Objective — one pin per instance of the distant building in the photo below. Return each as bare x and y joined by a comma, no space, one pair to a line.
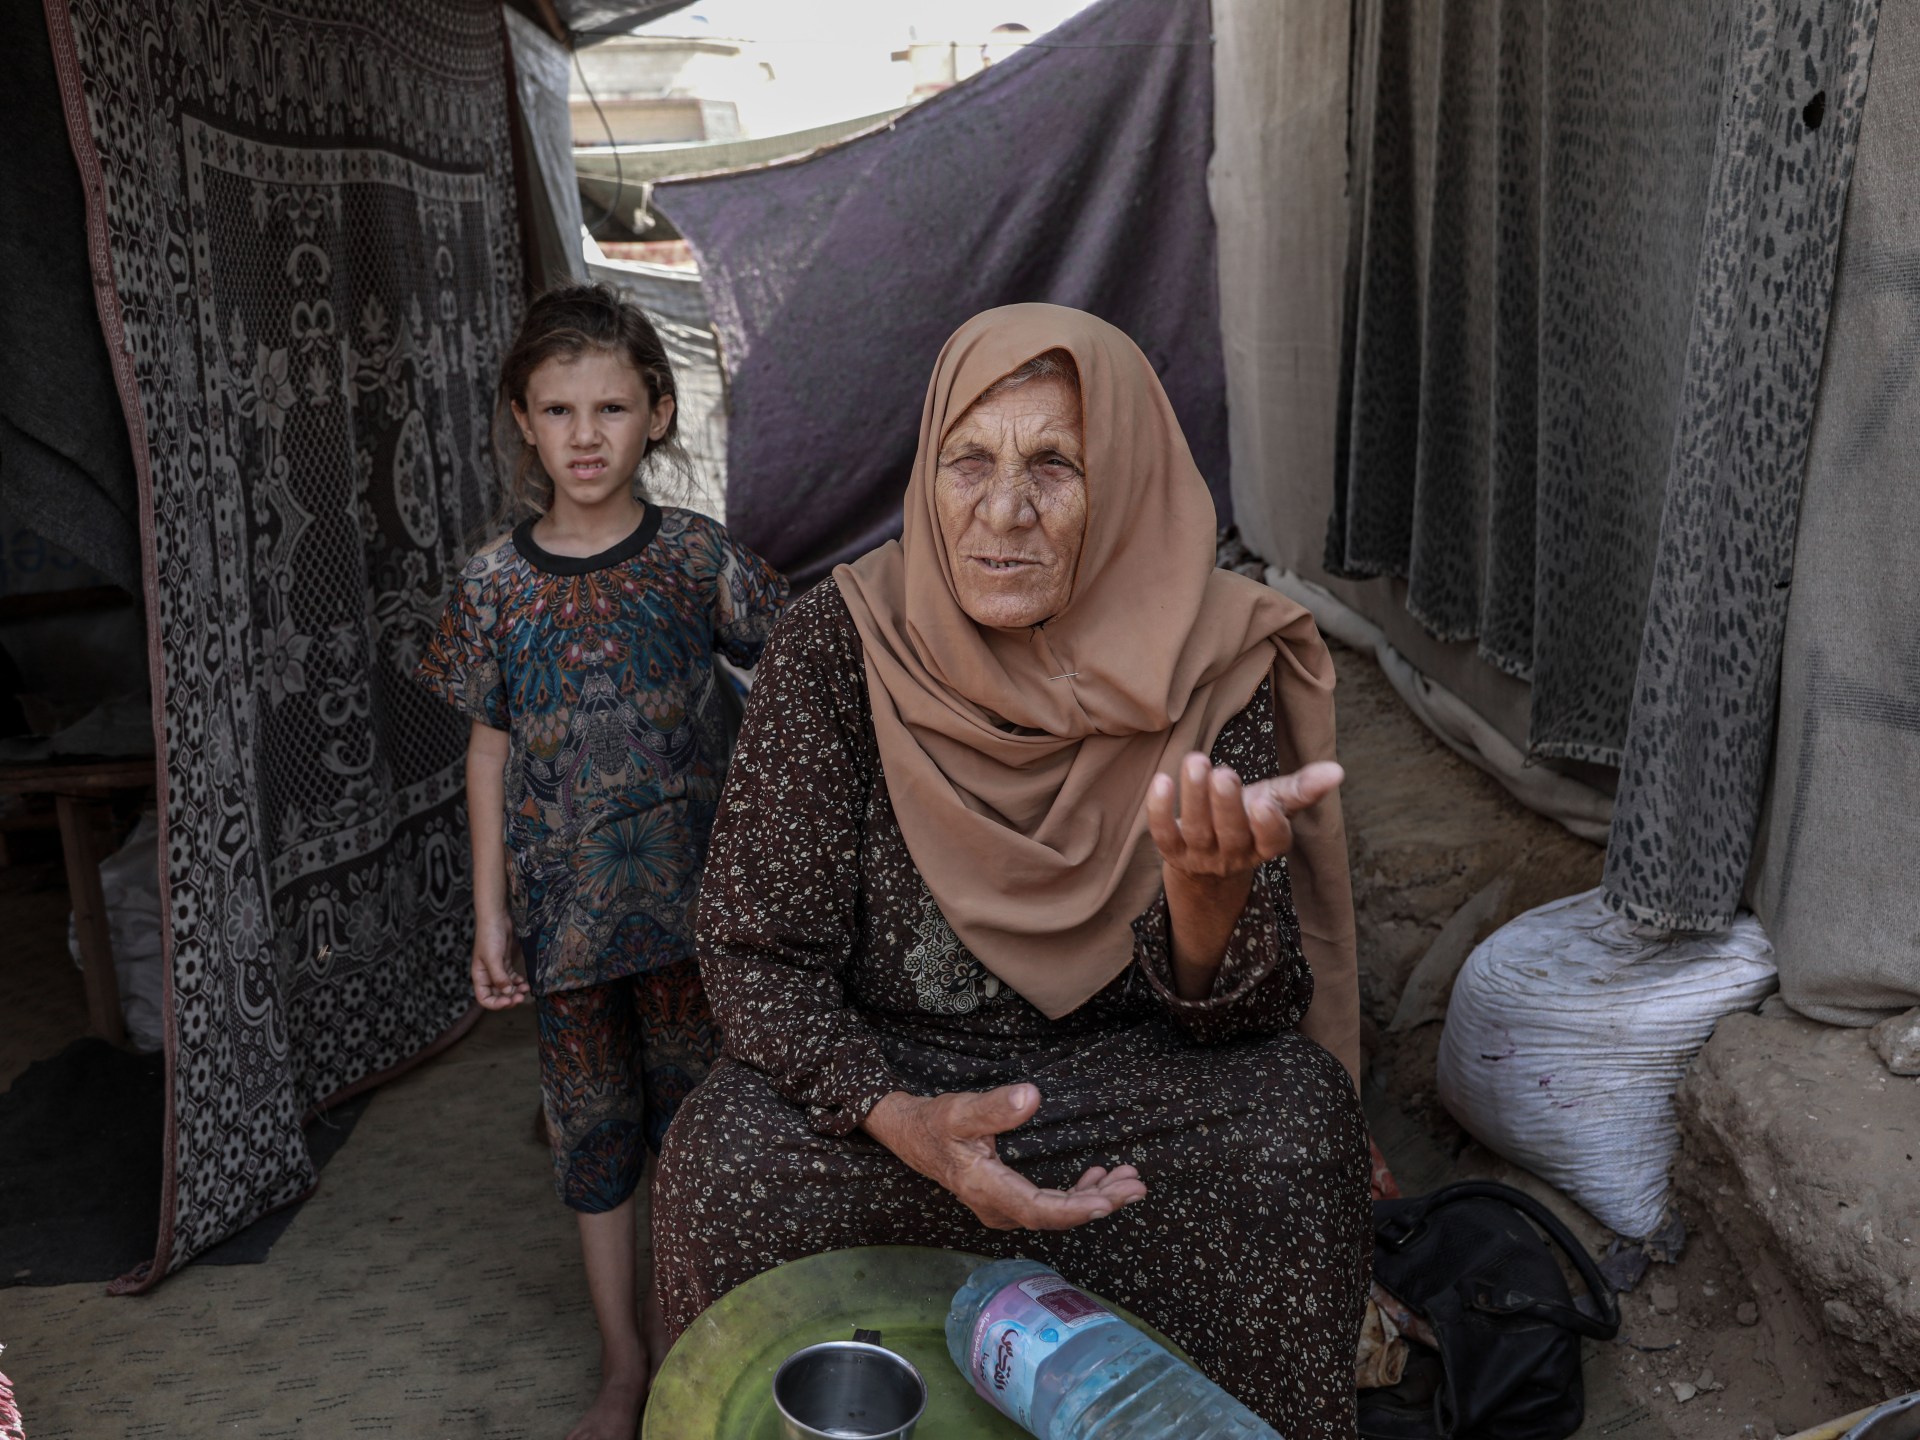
662,90
938,64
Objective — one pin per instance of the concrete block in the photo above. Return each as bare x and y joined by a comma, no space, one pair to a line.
1823,1145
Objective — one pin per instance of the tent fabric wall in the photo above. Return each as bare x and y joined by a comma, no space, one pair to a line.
1589,266
1520,277
1072,172
1834,882
1278,185
306,210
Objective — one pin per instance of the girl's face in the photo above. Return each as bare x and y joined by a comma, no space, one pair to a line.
590,418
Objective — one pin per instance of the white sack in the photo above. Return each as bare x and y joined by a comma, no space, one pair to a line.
1568,1032
130,882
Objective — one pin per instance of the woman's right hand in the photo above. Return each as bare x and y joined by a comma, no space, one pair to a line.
950,1140
495,985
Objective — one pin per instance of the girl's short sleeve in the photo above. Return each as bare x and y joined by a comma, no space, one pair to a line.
748,596
461,665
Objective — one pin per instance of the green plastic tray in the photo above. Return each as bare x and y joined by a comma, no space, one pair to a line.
718,1382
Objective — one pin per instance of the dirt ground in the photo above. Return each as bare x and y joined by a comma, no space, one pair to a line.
1722,1327
1429,832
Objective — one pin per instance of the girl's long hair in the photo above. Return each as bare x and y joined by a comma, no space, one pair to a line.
564,324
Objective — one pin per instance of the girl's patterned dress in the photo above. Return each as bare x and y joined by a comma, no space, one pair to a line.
601,669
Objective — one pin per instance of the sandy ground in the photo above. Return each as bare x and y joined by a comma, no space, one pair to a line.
431,1287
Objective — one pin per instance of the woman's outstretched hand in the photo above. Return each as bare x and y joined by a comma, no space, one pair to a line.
1226,829
950,1139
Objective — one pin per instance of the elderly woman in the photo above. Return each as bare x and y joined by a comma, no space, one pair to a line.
1025,875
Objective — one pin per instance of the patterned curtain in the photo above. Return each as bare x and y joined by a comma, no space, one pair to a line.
1590,260
306,210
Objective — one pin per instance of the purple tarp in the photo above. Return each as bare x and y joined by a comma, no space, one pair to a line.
1074,172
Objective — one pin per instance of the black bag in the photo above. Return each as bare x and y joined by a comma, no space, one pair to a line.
1465,1259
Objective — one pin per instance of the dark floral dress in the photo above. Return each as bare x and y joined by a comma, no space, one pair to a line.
835,980
601,670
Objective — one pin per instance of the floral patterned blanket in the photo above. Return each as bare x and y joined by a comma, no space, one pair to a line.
306,209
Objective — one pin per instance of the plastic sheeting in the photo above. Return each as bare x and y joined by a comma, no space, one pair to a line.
1073,172
130,884
677,305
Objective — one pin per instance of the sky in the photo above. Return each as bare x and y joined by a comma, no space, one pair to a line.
831,23
831,59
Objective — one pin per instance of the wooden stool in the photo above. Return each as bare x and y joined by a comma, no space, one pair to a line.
80,791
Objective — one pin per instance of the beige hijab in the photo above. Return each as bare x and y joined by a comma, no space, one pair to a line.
1033,838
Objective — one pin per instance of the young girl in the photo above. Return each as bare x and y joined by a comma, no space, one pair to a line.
582,645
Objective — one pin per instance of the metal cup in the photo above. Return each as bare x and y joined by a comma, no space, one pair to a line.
848,1390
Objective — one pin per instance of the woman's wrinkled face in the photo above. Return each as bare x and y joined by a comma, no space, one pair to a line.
1011,496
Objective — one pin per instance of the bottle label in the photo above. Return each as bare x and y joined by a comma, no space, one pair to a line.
1018,1329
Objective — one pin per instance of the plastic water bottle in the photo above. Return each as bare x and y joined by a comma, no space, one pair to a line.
1050,1356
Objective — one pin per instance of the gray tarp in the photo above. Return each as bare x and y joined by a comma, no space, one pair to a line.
1835,880
66,469
541,72
1073,172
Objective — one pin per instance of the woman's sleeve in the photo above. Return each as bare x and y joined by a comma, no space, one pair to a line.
778,906
460,665
748,596
1265,984
1317,866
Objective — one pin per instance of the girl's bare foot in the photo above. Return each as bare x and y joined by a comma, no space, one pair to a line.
607,1244
615,1414
653,1328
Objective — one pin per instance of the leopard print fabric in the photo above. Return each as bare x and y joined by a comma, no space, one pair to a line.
1591,263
